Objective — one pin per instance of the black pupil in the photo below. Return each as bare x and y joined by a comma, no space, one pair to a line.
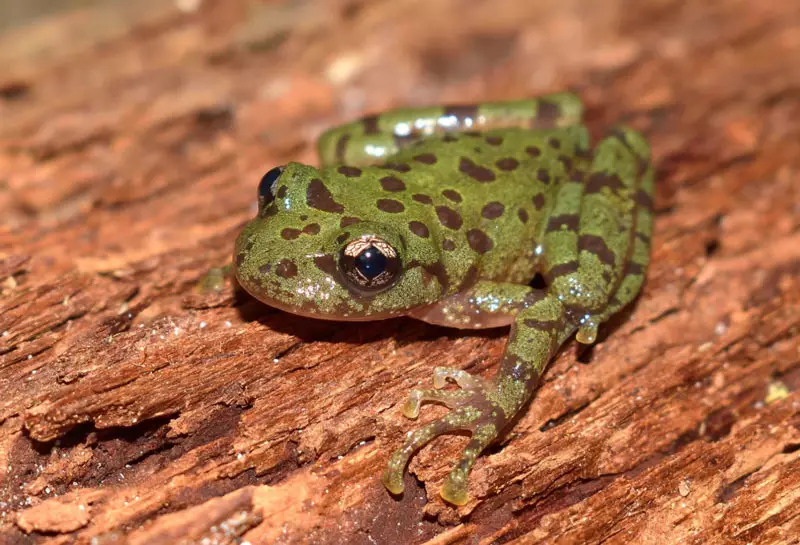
265,195
371,262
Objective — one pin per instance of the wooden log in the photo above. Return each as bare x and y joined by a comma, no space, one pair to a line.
132,137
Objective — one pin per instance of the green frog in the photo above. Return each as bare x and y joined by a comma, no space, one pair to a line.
446,215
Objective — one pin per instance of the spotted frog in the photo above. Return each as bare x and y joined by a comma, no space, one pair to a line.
446,215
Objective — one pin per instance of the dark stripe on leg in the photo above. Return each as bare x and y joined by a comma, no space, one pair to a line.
561,270
542,325
371,124
341,147
597,246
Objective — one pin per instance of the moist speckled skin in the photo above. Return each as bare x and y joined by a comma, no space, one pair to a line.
471,202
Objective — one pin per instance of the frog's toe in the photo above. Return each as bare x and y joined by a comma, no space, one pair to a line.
213,281
393,476
449,398
472,410
454,489
587,333
417,397
460,377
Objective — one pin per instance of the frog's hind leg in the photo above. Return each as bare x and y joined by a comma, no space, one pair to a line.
597,239
639,253
376,138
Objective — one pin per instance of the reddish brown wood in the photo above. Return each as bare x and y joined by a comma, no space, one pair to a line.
133,407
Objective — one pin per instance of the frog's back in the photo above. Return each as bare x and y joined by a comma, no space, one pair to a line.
489,192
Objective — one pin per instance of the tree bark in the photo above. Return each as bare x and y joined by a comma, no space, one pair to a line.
132,137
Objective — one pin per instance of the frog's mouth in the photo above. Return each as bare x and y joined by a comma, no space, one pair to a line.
311,313
310,310
317,300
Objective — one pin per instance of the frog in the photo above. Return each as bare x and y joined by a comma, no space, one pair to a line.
448,214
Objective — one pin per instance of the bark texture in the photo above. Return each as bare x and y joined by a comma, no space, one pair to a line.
132,137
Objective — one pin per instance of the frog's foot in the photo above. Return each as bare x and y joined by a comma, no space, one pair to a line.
587,333
472,409
214,280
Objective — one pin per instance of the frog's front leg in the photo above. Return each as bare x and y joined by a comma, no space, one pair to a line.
539,326
214,280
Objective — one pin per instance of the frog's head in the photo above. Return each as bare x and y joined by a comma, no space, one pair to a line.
319,247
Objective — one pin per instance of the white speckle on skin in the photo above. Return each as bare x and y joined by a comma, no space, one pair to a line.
424,125
447,121
203,325
375,151
402,129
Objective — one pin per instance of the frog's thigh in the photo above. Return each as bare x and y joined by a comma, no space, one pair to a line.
596,241
376,138
484,305
636,266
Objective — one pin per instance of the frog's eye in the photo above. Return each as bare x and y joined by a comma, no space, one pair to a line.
266,185
370,264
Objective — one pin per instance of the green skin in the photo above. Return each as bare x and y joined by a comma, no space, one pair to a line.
475,200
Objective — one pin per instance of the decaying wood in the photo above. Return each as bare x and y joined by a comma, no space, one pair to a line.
131,143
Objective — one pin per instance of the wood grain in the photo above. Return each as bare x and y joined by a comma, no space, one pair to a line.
135,410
